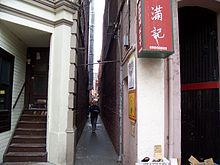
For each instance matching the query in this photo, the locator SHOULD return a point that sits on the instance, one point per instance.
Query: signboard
(131, 73)
(154, 25)
(132, 105)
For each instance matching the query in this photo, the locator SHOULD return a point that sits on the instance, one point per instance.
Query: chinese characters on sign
(155, 36)
(157, 15)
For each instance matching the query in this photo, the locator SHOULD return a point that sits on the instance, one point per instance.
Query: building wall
(43, 18)
(82, 73)
(110, 72)
(152, 80)
(59, 19)
(128, 28)
(175, 143)
(174, 94)
(129, 130)
(153, 97)
(150, 106)
(12, 44)
(158, 89)
(109, 108)
(91, 43)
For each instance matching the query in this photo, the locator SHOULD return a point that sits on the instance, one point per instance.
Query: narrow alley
(95, 148)
(150, 68)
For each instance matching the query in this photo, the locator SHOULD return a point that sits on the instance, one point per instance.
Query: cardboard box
(209, 161)
(194, 161)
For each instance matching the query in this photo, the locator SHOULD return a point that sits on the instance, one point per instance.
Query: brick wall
(110, 81)
(82, 76)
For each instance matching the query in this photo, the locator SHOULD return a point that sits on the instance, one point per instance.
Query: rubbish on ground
(158, 152)
(209, 161)
(162, 161)
(194, 161)
(174, 161)
(146, 159)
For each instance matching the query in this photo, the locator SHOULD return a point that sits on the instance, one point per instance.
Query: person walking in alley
(94, 112)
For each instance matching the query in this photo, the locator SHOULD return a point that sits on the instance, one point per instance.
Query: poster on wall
(131, 73)
(132, 105)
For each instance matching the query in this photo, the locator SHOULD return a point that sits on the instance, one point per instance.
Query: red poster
(155, 36)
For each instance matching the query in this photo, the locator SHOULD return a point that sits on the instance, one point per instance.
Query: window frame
(6, 94)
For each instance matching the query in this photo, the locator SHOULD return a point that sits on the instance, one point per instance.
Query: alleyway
(95, 148)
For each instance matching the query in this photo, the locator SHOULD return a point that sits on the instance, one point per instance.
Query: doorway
(200, 119)
(37, 78)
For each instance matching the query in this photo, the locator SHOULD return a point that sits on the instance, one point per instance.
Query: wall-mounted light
(125, 41)
(28, 61)
(38, 56)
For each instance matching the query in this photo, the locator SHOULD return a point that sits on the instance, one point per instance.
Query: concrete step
(27, 147)
(30, 131)
(29, 139)
(32, 124)
(35, 111)
(32, 117)
(25, 157)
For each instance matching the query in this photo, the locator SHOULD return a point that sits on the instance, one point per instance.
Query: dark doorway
(199, 84)
(37, 77)
(6, 82)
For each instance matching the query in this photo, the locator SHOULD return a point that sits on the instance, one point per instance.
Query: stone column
(71, 125)
(58, 95)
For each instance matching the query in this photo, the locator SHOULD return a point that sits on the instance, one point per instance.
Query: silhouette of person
(94, 112)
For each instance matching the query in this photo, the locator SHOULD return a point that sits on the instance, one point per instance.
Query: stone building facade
(60, 27)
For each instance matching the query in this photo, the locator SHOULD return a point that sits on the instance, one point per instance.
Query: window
(6, 78)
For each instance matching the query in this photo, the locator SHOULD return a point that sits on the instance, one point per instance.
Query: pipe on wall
(117, 28)
(170, 108)
(174, 91)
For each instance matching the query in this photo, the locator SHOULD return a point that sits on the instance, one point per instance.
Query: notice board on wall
(132, 105)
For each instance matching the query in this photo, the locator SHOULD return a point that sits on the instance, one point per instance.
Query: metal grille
(200, 103)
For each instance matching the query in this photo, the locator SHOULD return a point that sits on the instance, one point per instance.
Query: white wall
(10, 43)
(58, 105)
(150, 106)
(175, 91)
(29, 15)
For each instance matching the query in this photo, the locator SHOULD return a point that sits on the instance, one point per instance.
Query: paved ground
(95, 148)
(42, 164)
(20, 163)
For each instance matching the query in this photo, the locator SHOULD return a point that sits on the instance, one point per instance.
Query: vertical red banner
(139, 26)
(155, 32)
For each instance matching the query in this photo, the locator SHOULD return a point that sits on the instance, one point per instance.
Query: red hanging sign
(154, 24)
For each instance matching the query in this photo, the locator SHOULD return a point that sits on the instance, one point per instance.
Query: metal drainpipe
(170, 107)
(120, 114)
(121, 98)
